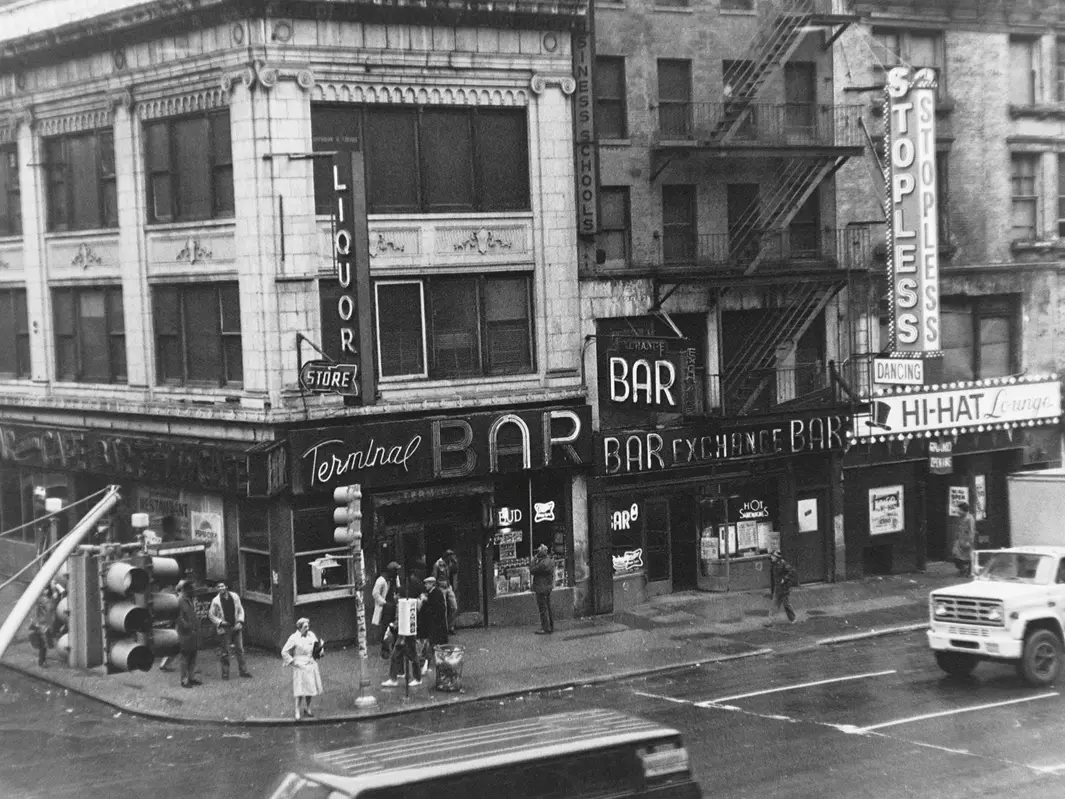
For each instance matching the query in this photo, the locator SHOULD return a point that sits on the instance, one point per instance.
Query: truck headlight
(994, 614)
(940, 609)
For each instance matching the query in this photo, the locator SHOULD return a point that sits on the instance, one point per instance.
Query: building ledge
(1047, 111)
(1042, 246)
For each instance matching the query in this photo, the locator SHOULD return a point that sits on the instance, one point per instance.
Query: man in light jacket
(227, 615)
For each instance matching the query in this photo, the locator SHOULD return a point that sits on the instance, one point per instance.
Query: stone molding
(177, 105)
(75, 123)
(411, 94)
(541, 81)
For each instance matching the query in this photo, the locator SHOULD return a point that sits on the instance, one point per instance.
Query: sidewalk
(668, 632)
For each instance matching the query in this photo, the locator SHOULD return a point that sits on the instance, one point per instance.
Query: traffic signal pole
(51, 567)
(348, 518)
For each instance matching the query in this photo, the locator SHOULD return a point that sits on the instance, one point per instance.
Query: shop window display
(529, 511)
(312, 531)
(255, 550)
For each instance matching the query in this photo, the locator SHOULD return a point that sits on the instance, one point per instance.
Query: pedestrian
(385, 592)
(41, 624)
(782, 578)
(964, 537)
(446, 570)
(188, 628)
(227, 613)
(301, 651)
(543, 582)
(404, 657)
(432, 619)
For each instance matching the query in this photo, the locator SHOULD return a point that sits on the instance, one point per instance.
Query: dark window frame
(605, 102)
(481, 142)
(981, 309)
(219, 167)
(904, 52)
(181, 336)
(10, 191)
(672, 230)
(15, 356)
(625, 229)
(681, 104)
(60, 188)
(1018, 183)
(431, 369)
(115, 334)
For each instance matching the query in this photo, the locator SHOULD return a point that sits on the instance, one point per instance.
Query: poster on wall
(747, 535)
(207, 528)
(708, 545)
(980, 497)
(176, 515)
(958, 494)
(765, 533)
(887, 511)
(732, 539)
(807, 512)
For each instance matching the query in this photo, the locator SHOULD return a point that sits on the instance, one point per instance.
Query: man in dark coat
(543, 581)
(432, 615)
(188, 628)
(782, 578)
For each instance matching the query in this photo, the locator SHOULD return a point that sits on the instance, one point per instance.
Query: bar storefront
(492, 486)
(700, 506)
(921, 451)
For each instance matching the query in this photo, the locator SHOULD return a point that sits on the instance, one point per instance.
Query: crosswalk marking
(911, 719)
(734, 697)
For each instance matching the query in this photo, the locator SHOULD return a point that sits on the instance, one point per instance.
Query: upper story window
(429, 159)
(737, 5)
(14, 334)
(80, 169)
(920, 49)
(10, 195)
(1024, 71)
(615, 229)
(453, 327)
(678, 223)
(1024, 187)
(90, 334)
(189, 166)
(610, 113)
(197, 334)
(1060, 69)
(980, 337)
(674, 97)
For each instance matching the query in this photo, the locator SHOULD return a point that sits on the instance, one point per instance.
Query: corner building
(166, 266)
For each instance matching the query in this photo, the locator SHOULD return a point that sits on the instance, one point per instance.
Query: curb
(902, 628)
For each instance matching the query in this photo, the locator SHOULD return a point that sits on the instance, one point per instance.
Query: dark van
(586, 753)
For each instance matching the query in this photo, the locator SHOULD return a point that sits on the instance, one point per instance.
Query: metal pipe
(51, 567)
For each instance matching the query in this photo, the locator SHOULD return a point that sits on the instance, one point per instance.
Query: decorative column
(31, 185)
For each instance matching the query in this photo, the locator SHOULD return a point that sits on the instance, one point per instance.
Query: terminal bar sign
(912, 214)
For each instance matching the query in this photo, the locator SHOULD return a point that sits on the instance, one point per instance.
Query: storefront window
(743, 524)
(255, 550)
(530, 510)
(312, 532)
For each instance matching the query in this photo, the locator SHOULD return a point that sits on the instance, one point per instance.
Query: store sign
(940, 457)
(624, 519)
(753, 509)
(629, 561)
(326, 377)
(421, 450)
(646, 373)
(585, 144)
(149, 460)
(912, 236)
(898, 371)
(646, 451)
(986, 404)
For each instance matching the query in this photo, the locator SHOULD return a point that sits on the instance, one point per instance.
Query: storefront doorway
(811, 532)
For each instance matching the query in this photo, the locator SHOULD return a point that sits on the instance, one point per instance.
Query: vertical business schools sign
(912, 235)
(587, 156)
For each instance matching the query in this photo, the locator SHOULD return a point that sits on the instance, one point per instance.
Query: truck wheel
(956, 664)
(1040, 662)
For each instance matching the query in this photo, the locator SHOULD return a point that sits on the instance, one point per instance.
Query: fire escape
(799, 268)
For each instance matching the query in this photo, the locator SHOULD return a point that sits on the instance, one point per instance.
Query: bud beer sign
(912, 235)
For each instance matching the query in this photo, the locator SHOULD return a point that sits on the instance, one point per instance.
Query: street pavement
(666, 633)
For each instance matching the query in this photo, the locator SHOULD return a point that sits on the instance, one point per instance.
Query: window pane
(203, 346)
(678, 223)
(502, 160)
(166, 312)
(55, 157)
(391, 161)
(924, 51)
(92, 321)
(887, 47)
(63, 311)
(456, 329)
(447, 156)
(234, 359)
(508, 345)
(116, 320)
(162, 208)
(192, 168)
(609, 77)
(957, 337)
(994, 347)
(1022, 72)
(109, 203)
(332, 127)
(613, 214)
(84, 179)
(674, 80)
(8, 361)
(230, 295)
(221, 145)
(223, 191)
(5, 186)
(157, 144)
(399, 322)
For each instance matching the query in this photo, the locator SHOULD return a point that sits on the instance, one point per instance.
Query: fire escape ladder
(778, 36)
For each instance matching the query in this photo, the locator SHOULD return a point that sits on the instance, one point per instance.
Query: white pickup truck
(1012, 612)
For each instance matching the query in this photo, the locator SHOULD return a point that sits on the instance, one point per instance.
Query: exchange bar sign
(325, 377)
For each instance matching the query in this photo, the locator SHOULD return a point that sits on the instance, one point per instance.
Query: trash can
(447, 663)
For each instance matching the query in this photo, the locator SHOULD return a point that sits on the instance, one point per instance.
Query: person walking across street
(385, 592)
(782, 578)
(227, 615)
(188, 629)
(300, 652)
(964, 538)
(41, 624)
(543, 582)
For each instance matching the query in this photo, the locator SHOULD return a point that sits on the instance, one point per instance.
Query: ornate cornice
(410, 94)
(74, 123)
(202, 100)
(540, 82)
(262, 74)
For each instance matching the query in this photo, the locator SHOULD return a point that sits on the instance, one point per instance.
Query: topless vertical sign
(912, 213)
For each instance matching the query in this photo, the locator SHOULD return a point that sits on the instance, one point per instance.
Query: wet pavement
(666, 633)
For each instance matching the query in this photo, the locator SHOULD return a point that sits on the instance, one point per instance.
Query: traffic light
(163, 606)
(127, 618)
(348, 515)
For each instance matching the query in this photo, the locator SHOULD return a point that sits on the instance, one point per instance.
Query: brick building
(167, 264)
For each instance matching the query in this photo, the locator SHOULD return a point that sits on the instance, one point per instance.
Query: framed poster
(887, 510)
(747, 535)
(958, 494)
(807, 513)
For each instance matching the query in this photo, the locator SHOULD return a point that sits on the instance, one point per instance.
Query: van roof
(490, 745)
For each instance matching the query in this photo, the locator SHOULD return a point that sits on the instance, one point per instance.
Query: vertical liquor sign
(912, 213)
(585, 146)
(351, 259)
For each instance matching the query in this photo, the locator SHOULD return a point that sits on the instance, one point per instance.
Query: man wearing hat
(782, 578)
(543, 582)
(188, 628)
(227, 615)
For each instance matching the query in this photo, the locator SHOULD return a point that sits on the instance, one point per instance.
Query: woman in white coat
(298, 652)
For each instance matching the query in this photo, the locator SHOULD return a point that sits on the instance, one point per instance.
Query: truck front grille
(967, 611)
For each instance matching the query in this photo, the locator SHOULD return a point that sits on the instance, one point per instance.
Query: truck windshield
(1020, 567)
